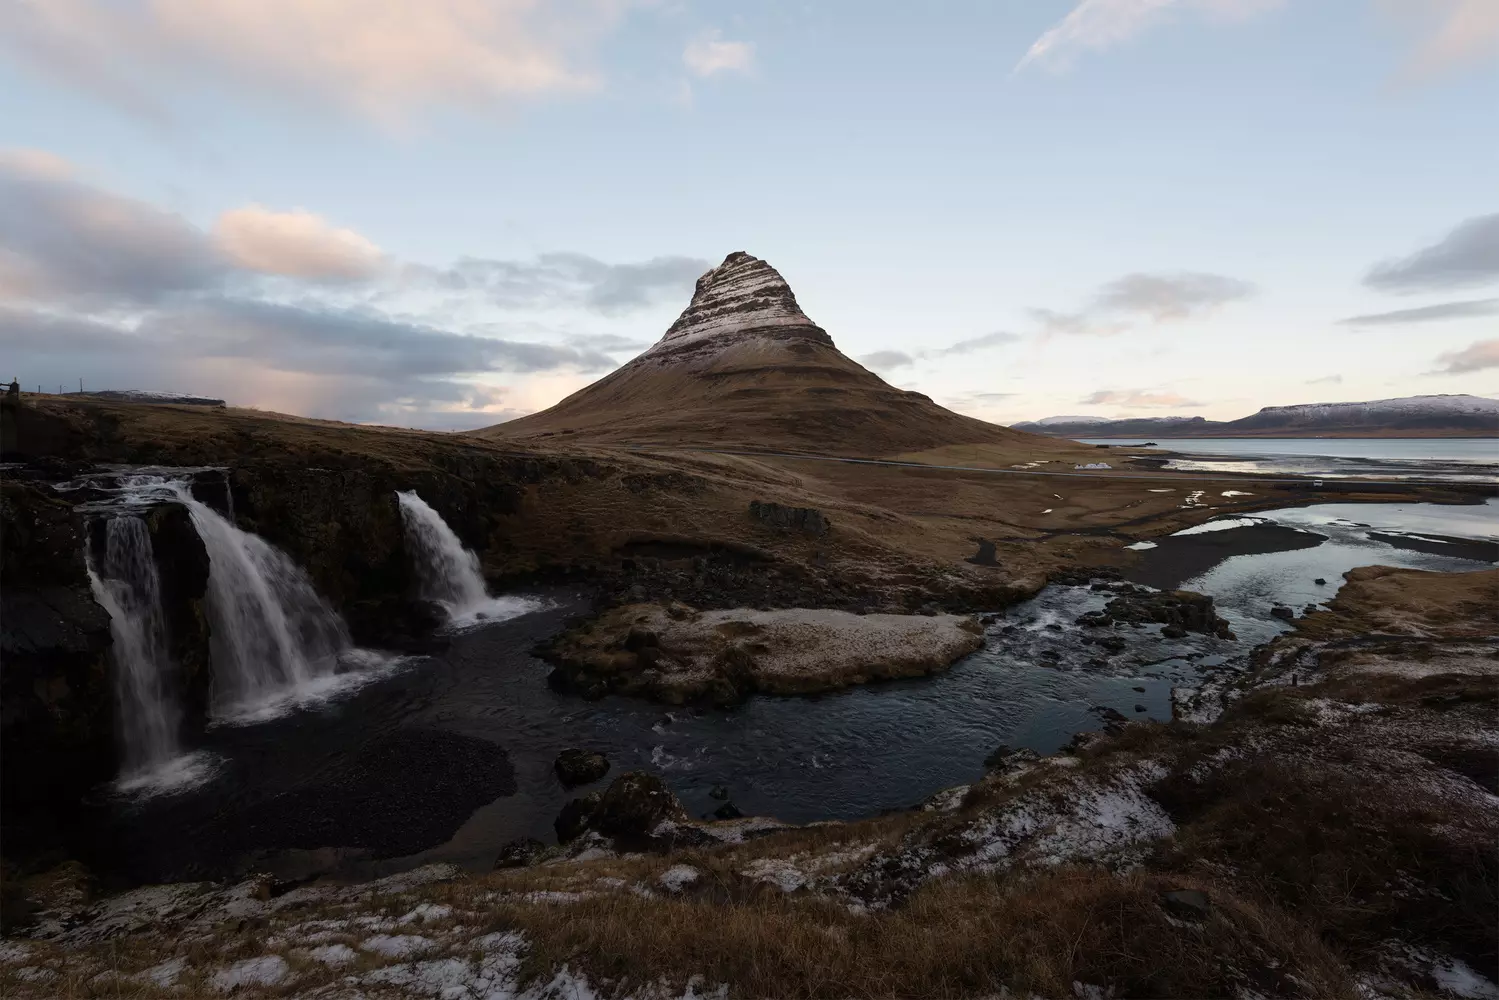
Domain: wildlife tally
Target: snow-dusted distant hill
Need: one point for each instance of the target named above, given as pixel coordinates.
(150, 396)
(1458, 415)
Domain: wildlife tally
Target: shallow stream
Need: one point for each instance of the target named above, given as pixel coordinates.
(451, 756)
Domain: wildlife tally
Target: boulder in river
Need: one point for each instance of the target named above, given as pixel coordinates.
(575, 766)
(631, 811)
(1282, 612)
(1185, 609)
(576, 817)
(520, 853)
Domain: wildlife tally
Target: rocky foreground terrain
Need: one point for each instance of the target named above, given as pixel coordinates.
(1323, 826)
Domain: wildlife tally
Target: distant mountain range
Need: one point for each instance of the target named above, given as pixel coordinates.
(1408, 416)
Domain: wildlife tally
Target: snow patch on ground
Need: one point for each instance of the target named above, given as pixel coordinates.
(267, 970)
(1141, 546)
(678, 877)
(333, 954)
(1094, 821)
(396, 945)
(1452, 976)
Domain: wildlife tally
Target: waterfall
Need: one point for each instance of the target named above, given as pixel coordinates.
(128, 587)
(273, 639)
(448, 573)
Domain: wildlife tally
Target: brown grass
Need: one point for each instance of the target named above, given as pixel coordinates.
(1356, 860)
(959, 937)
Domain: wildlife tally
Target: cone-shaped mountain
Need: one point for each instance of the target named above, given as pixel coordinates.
(744, 367)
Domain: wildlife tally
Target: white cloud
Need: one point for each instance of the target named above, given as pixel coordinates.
(707, 54)
(1158, 297)
(1096, 25)
(383, 59)
(295, 244)
(1451, 32)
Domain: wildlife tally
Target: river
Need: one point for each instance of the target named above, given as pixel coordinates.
(450, 756)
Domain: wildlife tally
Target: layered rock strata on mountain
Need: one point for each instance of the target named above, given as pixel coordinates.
(743, 298)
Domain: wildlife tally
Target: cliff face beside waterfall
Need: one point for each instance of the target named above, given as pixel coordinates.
(57, 688)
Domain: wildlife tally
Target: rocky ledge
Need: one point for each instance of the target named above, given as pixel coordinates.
(676, 653)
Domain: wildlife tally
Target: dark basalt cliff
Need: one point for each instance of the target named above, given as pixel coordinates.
(55, 692)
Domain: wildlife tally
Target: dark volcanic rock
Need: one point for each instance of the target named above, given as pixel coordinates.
(579, 767)
(634, 804)
(985, 556)
(629, 811)
(519, 853)
(576, 816)
(56, 698)
(806, 519)
(1280, 611)
(1182, 611)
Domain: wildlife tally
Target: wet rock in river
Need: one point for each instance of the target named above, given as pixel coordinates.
(575, 766)
(1006, 758)
(576, 816)
(1320, 582)
(520, 853)
(1184, 609)
(1282, 612)
(727, 811)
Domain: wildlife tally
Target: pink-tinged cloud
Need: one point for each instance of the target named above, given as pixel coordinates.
(295, 244)
(1474, 358)
(1136, 397)
(382, 59)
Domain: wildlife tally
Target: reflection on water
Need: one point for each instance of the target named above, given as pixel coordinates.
(1243, 584)
(1450, 459)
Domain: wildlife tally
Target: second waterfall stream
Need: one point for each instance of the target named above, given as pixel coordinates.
(448, 573)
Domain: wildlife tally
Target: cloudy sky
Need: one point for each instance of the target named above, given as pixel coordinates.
(444, 213)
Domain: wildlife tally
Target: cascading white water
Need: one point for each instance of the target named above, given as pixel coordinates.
(273, 639)
(128, 586)
(447, 572)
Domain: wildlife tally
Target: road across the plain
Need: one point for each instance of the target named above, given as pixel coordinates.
(1323, 482)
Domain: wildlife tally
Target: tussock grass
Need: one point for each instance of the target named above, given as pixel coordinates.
(1355, 860)
(958, 937)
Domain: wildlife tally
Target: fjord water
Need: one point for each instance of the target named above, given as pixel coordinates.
(1453, 459)
(448, 573)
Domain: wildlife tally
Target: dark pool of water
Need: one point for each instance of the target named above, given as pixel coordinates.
(451, 756)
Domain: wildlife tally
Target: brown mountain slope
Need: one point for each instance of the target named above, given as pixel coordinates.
(743, 367)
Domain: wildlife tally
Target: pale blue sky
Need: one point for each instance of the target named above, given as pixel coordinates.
(1196, 191)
